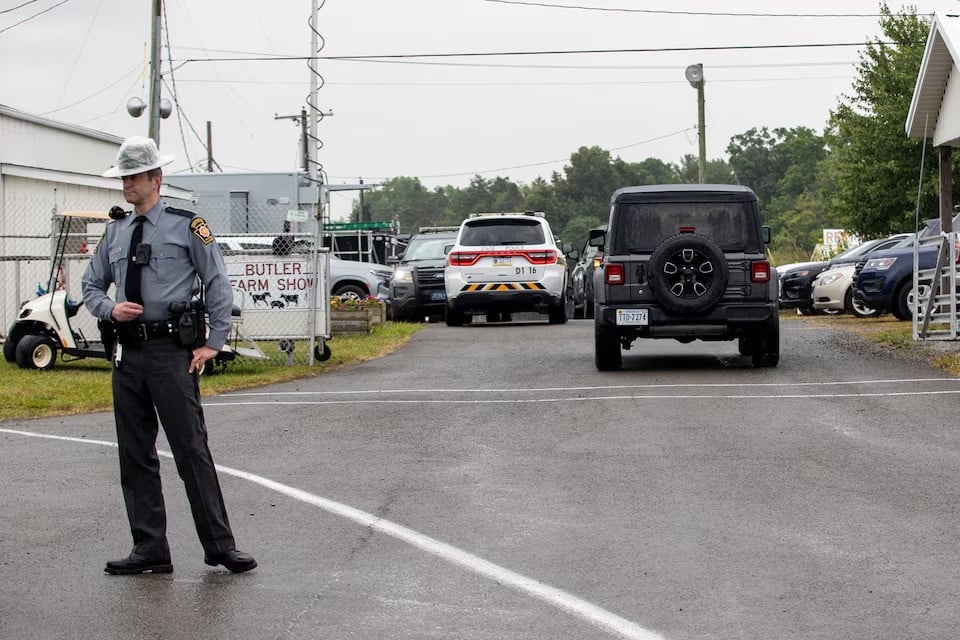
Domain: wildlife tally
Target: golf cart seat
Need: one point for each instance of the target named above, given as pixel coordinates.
(73, 307)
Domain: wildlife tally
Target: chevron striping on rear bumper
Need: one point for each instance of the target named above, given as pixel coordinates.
(504, 286)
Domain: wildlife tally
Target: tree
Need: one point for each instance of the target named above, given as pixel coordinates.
(718, 171)
(408, 202)
(874, 166)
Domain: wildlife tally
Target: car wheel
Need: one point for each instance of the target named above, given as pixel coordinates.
(10, 349)
(350, 292)
(571, 312)
(688, 273)
(856, 308)
(913, 302)
(558, 313)
(902, 301)
(607, 355)
(767, 348)
(454, 318)
(36, 352)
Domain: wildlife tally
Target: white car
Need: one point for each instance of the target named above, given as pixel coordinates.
(503, 263)
(832, 290)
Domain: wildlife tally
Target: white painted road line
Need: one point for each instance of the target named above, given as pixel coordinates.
(705, 396)
(692, 385)
(590, 613)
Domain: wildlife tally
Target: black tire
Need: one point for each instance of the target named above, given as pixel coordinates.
(494, 316)
(454, 318)
(746, 345)
(606, 350)
(767, 348)
(558, 314)
(901, 306)
(571, 311)
(858, 309)
(321, 355)
(688, 273)
(351, 291)
(36, 352)
(10, 349)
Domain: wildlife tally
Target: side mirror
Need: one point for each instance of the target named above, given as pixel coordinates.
(566, 247)
(393, 260)
(573, 254)
(765, 234)
(598, 237)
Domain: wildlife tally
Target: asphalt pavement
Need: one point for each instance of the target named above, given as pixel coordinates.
(487, 482)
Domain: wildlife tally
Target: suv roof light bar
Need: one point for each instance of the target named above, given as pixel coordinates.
(437, 229)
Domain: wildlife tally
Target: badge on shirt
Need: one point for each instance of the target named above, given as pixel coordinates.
(200, 229)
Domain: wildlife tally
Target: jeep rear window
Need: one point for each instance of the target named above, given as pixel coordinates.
(641, 227)
(502, 232)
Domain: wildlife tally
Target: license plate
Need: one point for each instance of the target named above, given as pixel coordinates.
(438, 295)
(503, 262)
(632, 317)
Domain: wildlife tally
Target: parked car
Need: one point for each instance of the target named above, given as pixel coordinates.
(416, 288)
(685, 262)
(884, 279)
(348, 278)
(581, 278)
(796, 285)
(503, 263)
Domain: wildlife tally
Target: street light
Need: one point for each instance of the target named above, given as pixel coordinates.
(694, 74)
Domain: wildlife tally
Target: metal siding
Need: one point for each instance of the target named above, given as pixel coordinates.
(947, 131)
(32, 144)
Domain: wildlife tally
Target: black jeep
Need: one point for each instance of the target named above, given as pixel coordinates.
(686, 262)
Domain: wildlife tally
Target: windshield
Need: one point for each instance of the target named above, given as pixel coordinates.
(641, 227)
(427, 249)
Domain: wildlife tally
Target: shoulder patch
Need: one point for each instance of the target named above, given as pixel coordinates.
(200, 229)
(180, 212)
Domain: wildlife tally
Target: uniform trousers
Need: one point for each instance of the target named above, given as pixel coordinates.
(151, 381)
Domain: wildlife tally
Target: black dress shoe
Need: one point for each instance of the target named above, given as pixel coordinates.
(138, 563)
(235, 561)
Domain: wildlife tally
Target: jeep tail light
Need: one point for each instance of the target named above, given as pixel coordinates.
(462, 258)
(760, 271)
(613, 273)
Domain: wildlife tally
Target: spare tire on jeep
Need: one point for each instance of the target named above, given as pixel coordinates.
(688, 273)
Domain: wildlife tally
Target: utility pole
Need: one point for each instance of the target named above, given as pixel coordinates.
(155, 40)
(304, 141)
(694, 75)
(209, 147)
(363, 214)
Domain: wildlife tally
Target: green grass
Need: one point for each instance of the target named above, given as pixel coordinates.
(83, 386)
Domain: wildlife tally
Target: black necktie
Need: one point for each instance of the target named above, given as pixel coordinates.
(132, 285)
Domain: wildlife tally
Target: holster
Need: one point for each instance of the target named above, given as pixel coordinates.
(108, 335)
(192, 328)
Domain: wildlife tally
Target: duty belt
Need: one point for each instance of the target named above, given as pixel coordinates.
(134, 333)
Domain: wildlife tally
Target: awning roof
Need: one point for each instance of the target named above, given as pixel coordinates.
(935, 108)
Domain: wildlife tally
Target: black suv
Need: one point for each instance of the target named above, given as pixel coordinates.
(416, 288)
(686, 262)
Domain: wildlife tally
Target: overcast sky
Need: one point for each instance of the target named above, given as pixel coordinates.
(442, 119)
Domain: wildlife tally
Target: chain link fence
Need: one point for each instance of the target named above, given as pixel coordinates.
(278, 275)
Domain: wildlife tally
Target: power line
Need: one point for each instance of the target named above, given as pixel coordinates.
(92, 95)
(173, 83)
(40, 13)
(551, 5)
(17, 7)
(406, 56)
(517, 84)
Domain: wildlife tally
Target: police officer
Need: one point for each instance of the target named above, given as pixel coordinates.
(154, 257)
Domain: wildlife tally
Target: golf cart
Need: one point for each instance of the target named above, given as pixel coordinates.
(48, 324)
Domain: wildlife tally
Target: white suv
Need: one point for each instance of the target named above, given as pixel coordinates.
(503, 263)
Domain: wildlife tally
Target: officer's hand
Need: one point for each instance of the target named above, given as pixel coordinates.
(126, 311)
(200, 357)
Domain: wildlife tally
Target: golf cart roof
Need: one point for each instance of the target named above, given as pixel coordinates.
(99, 215)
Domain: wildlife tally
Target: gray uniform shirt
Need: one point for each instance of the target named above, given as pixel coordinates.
(182, 248)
